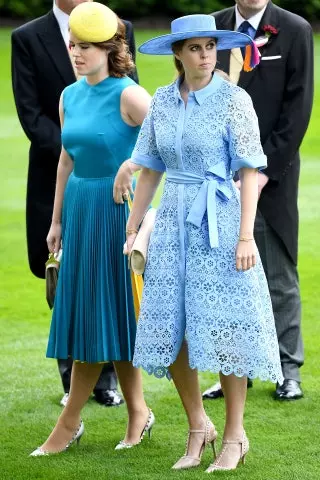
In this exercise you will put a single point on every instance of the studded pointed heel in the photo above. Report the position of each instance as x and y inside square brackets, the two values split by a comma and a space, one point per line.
[39, 452]
[218, 463]
[146, 429]
[210, 435]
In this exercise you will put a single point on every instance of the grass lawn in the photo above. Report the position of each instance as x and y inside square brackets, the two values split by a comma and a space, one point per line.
[284, 436]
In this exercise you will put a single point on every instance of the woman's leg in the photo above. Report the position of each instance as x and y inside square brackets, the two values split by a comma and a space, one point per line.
[130, 379]
[83, 379]
[235, 391]
[187, 385]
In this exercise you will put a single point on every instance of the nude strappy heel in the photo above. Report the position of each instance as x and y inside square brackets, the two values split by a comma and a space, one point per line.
[244, 444]
[209, 437]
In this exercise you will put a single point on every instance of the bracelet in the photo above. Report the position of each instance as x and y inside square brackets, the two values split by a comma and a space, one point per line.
[130, 231]
[245, 239]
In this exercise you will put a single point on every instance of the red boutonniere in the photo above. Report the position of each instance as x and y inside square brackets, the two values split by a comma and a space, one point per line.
[269, 30]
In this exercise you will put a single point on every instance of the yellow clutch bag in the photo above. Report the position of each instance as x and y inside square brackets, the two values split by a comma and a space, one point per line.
[136, 280]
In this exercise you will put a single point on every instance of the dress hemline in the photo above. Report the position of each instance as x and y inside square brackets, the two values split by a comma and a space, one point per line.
[162, 371]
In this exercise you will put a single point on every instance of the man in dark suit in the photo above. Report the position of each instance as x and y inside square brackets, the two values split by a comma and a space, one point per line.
[281, 88]
[41, 69]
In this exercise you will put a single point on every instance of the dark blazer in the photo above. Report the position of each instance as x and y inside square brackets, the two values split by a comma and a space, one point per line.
[282, 94]
[41, 69]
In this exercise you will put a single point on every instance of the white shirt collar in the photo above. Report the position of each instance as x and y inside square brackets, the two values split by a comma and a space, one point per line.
[63, 21]
[254, 20]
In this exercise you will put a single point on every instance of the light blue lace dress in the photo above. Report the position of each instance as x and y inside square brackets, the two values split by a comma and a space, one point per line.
[192, 288]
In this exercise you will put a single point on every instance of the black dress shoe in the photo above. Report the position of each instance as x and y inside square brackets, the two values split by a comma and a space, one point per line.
[289, 390]
[216, 391]
[213, 392]
[109, 398]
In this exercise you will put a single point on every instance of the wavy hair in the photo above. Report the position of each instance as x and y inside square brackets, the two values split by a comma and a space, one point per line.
[120, 61]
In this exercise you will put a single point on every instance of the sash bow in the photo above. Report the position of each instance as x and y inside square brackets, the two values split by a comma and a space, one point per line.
[213, 184]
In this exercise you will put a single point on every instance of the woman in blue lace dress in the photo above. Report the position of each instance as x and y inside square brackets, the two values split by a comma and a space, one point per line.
[206, 304]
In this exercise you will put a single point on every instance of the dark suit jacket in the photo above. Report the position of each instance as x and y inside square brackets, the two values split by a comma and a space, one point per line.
[41, 69]
[282, 94]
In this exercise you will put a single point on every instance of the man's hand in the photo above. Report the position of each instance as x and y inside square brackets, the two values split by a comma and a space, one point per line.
[262, 182]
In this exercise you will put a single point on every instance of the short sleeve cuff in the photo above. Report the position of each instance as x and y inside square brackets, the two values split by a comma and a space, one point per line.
[147, 161]
[259, 162]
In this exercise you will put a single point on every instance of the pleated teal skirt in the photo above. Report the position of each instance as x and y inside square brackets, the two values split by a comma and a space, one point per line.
[93, 318]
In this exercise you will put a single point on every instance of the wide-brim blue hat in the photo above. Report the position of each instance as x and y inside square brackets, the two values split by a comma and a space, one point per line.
[192, 26]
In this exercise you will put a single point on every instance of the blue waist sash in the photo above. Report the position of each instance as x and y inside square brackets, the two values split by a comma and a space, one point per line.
[213, 184]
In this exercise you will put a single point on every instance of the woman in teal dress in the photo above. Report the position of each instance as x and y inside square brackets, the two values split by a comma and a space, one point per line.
[93, 319]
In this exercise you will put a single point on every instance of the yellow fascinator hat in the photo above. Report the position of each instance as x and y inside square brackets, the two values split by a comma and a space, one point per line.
[93, 22]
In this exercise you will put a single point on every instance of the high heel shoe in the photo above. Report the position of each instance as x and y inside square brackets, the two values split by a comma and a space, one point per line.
[75, 438]
[146, 429]
[244, 449]
[210, 436]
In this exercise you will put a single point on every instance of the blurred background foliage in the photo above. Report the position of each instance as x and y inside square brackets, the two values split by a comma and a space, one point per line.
[133, 9]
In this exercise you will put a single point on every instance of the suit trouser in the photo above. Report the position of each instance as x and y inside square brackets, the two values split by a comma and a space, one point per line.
[106, 381]
[283, 281]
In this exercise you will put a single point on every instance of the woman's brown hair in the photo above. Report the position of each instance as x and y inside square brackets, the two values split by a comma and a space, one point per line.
[120, 62]
[176, 48]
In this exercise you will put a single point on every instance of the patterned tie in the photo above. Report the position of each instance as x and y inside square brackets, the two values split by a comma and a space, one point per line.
[248, 29]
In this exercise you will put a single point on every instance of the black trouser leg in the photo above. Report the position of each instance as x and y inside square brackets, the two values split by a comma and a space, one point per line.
[108, 378]
[65, 367]
[283, 281]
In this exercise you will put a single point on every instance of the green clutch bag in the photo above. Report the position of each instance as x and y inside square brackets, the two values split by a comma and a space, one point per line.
[52, 270]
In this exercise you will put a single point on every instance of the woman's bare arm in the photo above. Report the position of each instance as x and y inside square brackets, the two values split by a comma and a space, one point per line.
[146, 187]
[135, 103]
[246, 248]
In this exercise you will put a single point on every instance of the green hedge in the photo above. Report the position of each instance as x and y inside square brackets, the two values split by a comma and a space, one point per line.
[309, 9]
[25, 9]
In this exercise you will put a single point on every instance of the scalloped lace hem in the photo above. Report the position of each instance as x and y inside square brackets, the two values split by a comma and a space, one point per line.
[162, 371]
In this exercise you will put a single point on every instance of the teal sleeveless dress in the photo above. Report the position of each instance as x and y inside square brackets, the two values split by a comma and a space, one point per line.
[93, 318]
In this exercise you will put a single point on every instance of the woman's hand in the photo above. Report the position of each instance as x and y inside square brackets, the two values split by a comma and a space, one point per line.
[122, 186]
[129, 243]
[246, 252]
[54, 238]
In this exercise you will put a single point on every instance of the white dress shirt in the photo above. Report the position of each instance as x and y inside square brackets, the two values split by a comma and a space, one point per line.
[63, 21]
[254, 20]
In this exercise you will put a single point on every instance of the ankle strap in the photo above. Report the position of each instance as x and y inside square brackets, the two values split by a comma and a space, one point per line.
[197, 431]
[232, 442]
[236, 442]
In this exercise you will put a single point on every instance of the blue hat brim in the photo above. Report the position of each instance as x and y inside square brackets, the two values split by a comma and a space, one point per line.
[227, 39]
